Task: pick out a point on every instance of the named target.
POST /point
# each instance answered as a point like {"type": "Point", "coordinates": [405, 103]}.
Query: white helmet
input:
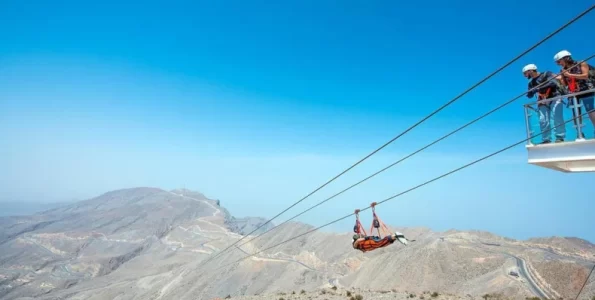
{"type": "Point", "coordinates": [561, 55]}
{"type": "Point", "coordinates": [529, 67]}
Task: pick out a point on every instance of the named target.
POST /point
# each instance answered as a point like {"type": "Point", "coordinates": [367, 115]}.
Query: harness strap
{"type": "Point", "coordinates": [572, 86]}
{"type": "Point", "coordinates": [377, 223]}
{"type": "Point", "coordinates": [546, 94]}
{"type": "Point", "coordinates": [358, 228]}
{"type": "Point", "coordinates": [542, 96]}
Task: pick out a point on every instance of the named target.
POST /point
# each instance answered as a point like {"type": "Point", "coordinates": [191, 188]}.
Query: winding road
{"type": "Point", "coordinates": [218, 212]}
{"type": "Point", "coordinates": [278, 259]}
{"type": "Point", "coordinates": [525, 273]}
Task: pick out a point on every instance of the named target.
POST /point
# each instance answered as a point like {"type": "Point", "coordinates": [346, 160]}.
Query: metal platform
{"type": "Point", "coordinates": [574, 155]}
{"type": "Point", "coordinates": [578, 156]}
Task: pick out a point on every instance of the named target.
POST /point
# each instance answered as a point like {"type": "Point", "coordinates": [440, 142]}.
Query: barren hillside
{"type": "Point", "coordinates": [334, 293]}
{"type": "Point", "coordinates": [147, 243]}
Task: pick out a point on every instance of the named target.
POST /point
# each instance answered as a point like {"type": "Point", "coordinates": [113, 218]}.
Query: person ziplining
{"type": "Point", "coordinates": [364, 242]}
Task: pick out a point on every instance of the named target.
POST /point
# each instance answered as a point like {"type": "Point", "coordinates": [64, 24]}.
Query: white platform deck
{"type": "Point", "coordinates": [568, 157]}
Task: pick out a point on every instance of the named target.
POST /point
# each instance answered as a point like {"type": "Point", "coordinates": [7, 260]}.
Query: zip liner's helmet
{"type": "Point", "coordinates": [530, 67]}
{"type": "Point", "coordinates": [561, 55]}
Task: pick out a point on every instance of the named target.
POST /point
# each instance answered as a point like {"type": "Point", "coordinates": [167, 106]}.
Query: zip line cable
{"type": "Point", "coordinates": [412, 154]}
{"type": "Point", "coordinates": [413, 126]}
{"type": "Point", "coordinates": [406, 191]}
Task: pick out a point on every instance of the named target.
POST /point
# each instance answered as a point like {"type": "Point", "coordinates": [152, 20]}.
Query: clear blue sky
{"type": "Point", "coordinates": [259, 103]}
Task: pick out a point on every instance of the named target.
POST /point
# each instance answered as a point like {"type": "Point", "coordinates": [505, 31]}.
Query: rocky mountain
{"type": "Point", "coordinates": [8, 208]}
{"type": "Point", "coordinates": [335, 293]}
{"type": "Point", "coordinates": [148, 243]}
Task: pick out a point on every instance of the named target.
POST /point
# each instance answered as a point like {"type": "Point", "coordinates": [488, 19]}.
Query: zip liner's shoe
{"type": "Point", "coordinates": [401, 238]}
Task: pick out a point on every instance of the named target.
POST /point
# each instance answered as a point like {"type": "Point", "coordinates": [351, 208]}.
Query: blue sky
{"type": "Point", "coordinates": [259, 103]}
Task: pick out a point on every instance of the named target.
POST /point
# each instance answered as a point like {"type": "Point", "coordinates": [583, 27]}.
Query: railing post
{"type": "Point", "coordinates": [527, 125]}
{"type": "Point", "coordinates": [578, 121]}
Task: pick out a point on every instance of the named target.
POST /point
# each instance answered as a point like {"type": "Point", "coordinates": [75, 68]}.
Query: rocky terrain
{"type": "Point", "coordinates": [148, 243]}
{"type": "Point", "coordinates": [334, 293]}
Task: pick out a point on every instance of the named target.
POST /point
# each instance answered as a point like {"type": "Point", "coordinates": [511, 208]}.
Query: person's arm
{"type": "Point", "coordinates": [554, 81]}
{"type": "Point", "coordinates": [531, 91]}
{"type": "Point", "coordinates": [584, 72]}
{"type": "Point", "coordinates": [562, 80]}
{"type": "Point", "coordinates": [561, 83]}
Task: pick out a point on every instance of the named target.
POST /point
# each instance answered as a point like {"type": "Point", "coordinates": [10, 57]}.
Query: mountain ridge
{"type": "Point", "coordinates": [149, 243]}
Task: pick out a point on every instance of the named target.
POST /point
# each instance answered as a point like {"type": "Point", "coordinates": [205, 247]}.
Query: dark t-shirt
{"type": "Point", "coordinates": [581, 84]}
{"type": "Point", "coordinates": [554, 89]}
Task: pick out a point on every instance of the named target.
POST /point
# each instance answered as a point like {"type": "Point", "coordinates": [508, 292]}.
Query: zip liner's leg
{"type": "Point", "coordinates": [589, 103]}
{"type": "Point", "coordinates": [544, 123]}
{"type": "Point", "coordinates": [379, 225]}
{"type": "Point", "coordinates": [401, 238]}
{"type": "Point", "coordinates": [558, 116]}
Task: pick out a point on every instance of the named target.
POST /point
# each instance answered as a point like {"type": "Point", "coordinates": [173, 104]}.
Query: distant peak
{"type": "Point", "coordinates": [189, 193]}
{"type": "Point", "coordinates": [135, 190]}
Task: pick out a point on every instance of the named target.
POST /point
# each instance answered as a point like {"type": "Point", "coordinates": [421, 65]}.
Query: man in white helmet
{"type": "Point", "coordinates": [577, 78]}
{"type": "Point", "coordinates": [546, 86]}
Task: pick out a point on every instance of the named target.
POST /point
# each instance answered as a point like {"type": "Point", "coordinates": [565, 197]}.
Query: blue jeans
{"type": "Point", "coordinates": [554, 108]}
{"type": "Point", "coordinates": [589, 103]}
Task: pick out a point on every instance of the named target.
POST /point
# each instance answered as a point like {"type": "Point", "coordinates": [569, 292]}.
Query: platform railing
{"type": "Point", "coordinates": [570, 108]}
